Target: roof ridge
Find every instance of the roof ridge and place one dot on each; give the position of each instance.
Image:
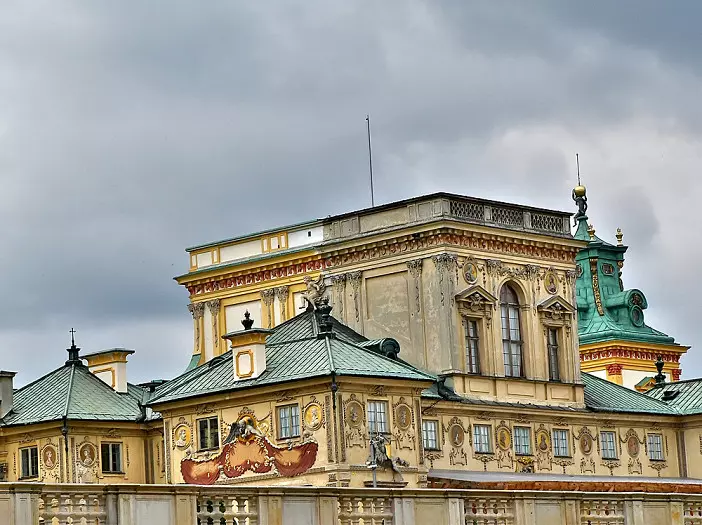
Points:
(68, 392)
(386, 358)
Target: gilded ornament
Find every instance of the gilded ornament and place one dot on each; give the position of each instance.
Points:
(313, 416)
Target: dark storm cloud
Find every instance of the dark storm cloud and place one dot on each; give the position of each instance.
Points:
(130, 132)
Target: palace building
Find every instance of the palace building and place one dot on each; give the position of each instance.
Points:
(437, 341)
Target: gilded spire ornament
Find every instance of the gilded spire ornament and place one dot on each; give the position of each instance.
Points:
(619, 236)
(591, 232)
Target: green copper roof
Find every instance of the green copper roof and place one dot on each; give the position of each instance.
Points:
(607, 312)
(684, 396)
(73, 392)
(604, 396)
(293, 352)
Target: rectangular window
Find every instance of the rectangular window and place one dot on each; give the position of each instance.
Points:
(472, 346)
(552, 344)
(429, 434)
(288, 421)
(608, 445)
(560, 443)
(481, 439)
(30, 462)
(208, 433)
(111, 455)
(377, 417)
(522, 441)
(655, 447)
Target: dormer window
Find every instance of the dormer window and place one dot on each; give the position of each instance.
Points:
(511, 332)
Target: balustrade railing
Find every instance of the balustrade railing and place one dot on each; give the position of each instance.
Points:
(365, 510)
(602, 512)
(227, 509)
(34, 503)
(71, 507)
(489, 511)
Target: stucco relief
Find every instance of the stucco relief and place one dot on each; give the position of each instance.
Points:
(446, 267)
(415, 270)
(503, 438)
(339, 285)
(544, 451)
(213, 306)
(247, 449)
(355, 279)
(86, 462)
(282, 293)
(268, 300)
(197, 310)
(457, 436)
(403, 433)
(355, 420)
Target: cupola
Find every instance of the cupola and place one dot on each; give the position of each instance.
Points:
(248, 349)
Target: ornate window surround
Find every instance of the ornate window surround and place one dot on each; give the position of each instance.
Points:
(555, 312)
(475, 303)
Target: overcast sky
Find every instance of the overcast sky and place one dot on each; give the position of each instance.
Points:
(131, 130)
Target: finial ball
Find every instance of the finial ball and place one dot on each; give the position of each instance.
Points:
(579, 191)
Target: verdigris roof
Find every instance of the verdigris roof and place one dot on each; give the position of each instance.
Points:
(604, 396)
(73, 392)
(293, 352)
(683, 396)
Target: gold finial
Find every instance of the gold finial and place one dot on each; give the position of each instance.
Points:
(619, 236)
(591, 232)
(579, 191)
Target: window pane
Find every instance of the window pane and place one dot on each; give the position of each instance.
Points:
(429, 434)
(607, 444)
(560, 443)
(377, 420)
(522, 440)
(655, 447)
(481, 438)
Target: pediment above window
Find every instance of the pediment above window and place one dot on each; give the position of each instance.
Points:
(475, 299)
(556, 308)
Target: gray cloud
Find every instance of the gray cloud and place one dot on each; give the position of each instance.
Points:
(129, 133)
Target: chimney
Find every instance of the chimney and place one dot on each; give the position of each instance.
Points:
(248, 349)
(110, 366)
(6, 392)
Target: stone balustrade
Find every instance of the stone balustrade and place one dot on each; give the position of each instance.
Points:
(34, 503)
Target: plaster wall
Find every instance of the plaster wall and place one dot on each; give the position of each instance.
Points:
(240, 251)
(233, 314)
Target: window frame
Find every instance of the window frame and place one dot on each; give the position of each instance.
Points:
(472, 365)
(435, 423)
(107, 469)
(518, 445)
(614, 444)
(209, 428)
(553, 353)
(385, 411)
(488, 442)
(294, 416)
(566, 433)
(660, 446)
(507, 328)
(32, 462)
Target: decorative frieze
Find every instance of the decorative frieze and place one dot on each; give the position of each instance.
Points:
(471, 240)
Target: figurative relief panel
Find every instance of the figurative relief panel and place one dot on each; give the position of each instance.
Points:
(245, 449)
(503, 436)
(543, 449)
(50, 462)
(86, 467)
(403, 435)
(354, 415)
(457, 437)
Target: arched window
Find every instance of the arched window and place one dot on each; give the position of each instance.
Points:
(511, 332)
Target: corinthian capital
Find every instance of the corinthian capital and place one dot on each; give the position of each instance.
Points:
(197, 310)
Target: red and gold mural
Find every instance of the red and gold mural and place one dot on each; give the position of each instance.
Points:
(248, 449)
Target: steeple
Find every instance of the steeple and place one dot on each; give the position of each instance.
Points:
(73, 357)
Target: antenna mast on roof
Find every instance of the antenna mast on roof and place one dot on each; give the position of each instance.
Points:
(370, 161)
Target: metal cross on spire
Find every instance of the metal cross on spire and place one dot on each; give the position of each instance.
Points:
(73, 340)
